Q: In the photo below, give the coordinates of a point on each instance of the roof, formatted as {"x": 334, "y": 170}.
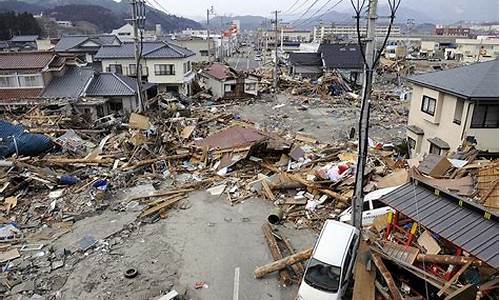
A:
{"x": 111, "y": 84}
{"x": 465, "y": 226}
{"x": 476, "y": 81}
{"x": 439, "y": 142}
{"x": 341, "y": 56}
{"x": 233, "y": 137}
{"x": 305, "y": 59}
{"x": 333, "y": 241}
{"x": 25, "y": 60}
{"x": 150, "y": 50}
{"x": 220, "y": 71}
{"x": 70, "y": 85}
{"x": 71, "y": 42}
{"x": 19, "y": 94}
{"x": 24, "y": 38}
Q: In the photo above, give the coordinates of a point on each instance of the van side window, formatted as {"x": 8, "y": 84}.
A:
{"x": 366, "y": 206}
{"x": 378, "y": 204}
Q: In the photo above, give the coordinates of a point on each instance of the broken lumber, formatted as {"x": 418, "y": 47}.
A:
{"x": 160, "y": 207}
{"x": 297, "y": 268}
{"x": 448, "y": 259}
{"x": 393, "y": 289}
{"x": 153, "y": 160}
{"x": 285, "y": 278}
{"x": 453, "y": 279}
{"x": 282, "y": 263}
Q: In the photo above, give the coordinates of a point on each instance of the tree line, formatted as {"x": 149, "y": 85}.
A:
{"x": 12, "y": 24}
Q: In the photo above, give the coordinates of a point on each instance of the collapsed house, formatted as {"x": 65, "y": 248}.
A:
{"x": 225, "y": 82}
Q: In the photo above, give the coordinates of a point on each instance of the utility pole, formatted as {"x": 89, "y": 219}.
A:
{"x": 357, "y": 203}
{"x": 138, "y": 19}
{"x": 208, "y": 33}
{"x": 276, "y": 67}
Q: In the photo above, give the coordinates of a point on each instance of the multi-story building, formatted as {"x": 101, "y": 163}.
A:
{"x": 472, "y": 50}
{"x": 452, "y": 31}
{"x": 198, "y": 45}
{"x": 84, "y": 47}
{"x": 325, "y": 32}
{"x": 451, "y": 106}
{"x": 165, "y": 64}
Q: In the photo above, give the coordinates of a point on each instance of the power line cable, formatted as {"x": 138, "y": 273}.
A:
{"x": 306, "y": 11}
{"x": 291, "y": 7}
{"x": 299, "y": 7}
{"x": 315, "y": 17}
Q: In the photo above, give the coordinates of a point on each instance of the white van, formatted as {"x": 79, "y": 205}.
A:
{"x": 372, "y": 207}
{"x": 330, "y": 266}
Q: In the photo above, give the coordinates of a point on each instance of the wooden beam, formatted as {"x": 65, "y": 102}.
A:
{"x": 453, "y": 279}
{"x": 448, "y": 259}
{"x": 393, "y": 289}
{"x": 160, "y": 207}
{"x": 297, "y": 268}
{"x": 283, "y": 263}
{"x": 284, "y": 275}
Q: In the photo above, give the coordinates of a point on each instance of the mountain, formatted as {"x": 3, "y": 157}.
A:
{"x": 105, "y": 15}
{"x": 246, "y": 22}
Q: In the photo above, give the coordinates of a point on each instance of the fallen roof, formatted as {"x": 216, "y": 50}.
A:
{"x": 220, "y": 71}
{"x": 70, "y": 85}
{"x": 25, "y": 60}
{"x": 305, "y": 59}
{"x": 341, "y": 56}
{"x": 111, "y": 84}
{"x": 476, "y": 81}
{"x": 19, "y": 94}
{"x": 233, "y": 137}
{"x": 464, "y": 225}
{"x": 150, "y": 50}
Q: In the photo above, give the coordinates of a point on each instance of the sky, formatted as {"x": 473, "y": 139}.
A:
{"x": 196, "y": 9}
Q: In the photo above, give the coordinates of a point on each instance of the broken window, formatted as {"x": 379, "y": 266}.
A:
{"x": 459, "y": 108}
{"x": 428, "y": 105}
{"x": 434, "y": 149}
{"x": 412, "y": 144}
{"x": 485, "y": 116}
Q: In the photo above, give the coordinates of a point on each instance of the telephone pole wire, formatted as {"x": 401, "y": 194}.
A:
{"x": 276, "y": 66}
{"x": 138, "y": 19}
{"x": 357, "y": 204}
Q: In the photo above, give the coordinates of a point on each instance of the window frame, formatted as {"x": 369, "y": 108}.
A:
{"x": 164, "y": 69}
{"x": 455, "y": 120}
{"x": 484, "y": 116}
{"x": 434, "y": 146}
{"x": 426, "y": 108}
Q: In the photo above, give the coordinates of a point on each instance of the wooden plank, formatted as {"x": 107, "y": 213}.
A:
{"x": 159, "y": 207}
{"x": 364, "y": 280}
{"x": 267, "y": 191}
{"x": 453, "y": 279}
{"x": 466, "y": 292}
{"x": 282, "y": 263}
{"x": 297, "y": 268}
{"x": 393, "y": 289}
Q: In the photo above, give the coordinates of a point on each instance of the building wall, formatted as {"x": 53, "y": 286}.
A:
{"x": 441, "y": 125}
{"x": 217, "y": 87}
{"x": 471, "y": 48}
{"x": 197, "y": 45}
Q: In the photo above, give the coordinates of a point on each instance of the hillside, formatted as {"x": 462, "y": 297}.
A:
{"x": 105, "y": 15}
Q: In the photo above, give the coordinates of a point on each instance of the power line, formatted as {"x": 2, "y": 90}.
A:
{"x": 160, "y": 5}
{"x": 291, "y": 7}
{"x": 313, "y": 17}
{"x": 299, "y": 7}
{"x": 306, "y": 11}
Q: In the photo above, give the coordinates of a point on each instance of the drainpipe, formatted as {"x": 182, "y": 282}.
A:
{"x": 465, "y": 123}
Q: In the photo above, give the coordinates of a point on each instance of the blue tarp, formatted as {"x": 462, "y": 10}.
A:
{"x": 14, "y": 139}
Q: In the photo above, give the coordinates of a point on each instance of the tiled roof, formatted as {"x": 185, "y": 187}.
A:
{"x": 69, "y": 42}
{"x": 476, "y": 81}
{"x": 19, "y": 94}
{"x": 219, "y": 71}
{"x": 70, "y": 85}
{"x": 25, "y": 60}
{"x": 111, "y": 84}
{"x": 341, "y": 56}
{"x": 150, "y": 50}
{"x": 24, "y": 38}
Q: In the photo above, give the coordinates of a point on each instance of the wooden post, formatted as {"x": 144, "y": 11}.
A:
{"x": 448, "y": 259}
{"x": 453, "y": 279}
{"x": 393, "y": 289}
{"x": 285, "y": 278}
{"x": 283, "y": 263}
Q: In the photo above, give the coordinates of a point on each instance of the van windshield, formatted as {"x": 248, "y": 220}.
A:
{"x": 322, "y": 276}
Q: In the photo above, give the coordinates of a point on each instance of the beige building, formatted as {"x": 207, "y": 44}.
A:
{"x": 198, "y": 45}
{"x": 323, "y": 31}
{"x": 450, "y": 106}
{"x": 472, "y": 50}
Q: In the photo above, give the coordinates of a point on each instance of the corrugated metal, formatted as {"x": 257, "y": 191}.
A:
{"x": 463, "y": 226}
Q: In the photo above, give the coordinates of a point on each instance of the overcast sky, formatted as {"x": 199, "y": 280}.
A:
{"x": 197, "y": 8}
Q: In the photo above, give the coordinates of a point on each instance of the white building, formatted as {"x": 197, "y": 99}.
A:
{"x": 198, "y": 45}
{"x": 165, "y": 64}
{"x": 225, "y": 82}
{"x": 472, "y": 50}
{"x": 323, "y": 31}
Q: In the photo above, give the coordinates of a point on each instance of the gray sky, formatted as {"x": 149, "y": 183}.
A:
{"x": 461, "y": 9}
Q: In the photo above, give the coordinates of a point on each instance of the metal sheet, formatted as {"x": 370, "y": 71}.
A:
{"x": 464, "y": 226}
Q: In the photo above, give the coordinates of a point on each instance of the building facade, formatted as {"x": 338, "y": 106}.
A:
{"x": 325, "y": 32}
{"x": 451, "y": 106}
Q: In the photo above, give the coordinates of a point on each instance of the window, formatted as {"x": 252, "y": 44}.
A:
{"x": 204, "y": 52}
{"x": 435, "y": 149}
{"x": 412, "y": 144}
{"x": 251, "y": 86}
{"x": 161, "y": 70}
{"x": 428, "y": 105}
{"x": 459, "y": 108}
{"x": 485, "y": 116}
{"x": 132, "y": 70}
{"x": 115, "y": 106}
{"x": 366, "y": 206}
{"x": 7, "y": 81}
{"x": 377, "y": 204}
{"x": 115, "y": 69}
{"x": 187, "y": 67}
{"x": 227, "y": 88}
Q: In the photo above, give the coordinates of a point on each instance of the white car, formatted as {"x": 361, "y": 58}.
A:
{"x": 258, "y": 59}
{"x": 372, "y": 207}
{"x": 327, "y": 273}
